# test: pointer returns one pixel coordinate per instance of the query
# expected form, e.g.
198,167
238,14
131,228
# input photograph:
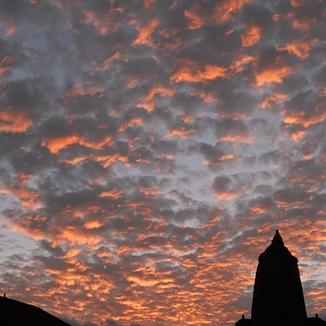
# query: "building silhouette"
16,313
278,297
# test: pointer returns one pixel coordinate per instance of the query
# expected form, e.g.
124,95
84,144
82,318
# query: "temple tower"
278,296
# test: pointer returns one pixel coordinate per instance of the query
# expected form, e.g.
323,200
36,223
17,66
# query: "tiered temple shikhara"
278,297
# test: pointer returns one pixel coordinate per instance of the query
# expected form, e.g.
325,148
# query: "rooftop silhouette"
14,313
278,297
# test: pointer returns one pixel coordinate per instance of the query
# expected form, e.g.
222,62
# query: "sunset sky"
149,150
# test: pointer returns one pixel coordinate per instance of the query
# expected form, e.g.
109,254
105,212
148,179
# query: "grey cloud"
222,183
111,322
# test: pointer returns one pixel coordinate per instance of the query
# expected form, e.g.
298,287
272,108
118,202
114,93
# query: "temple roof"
276,248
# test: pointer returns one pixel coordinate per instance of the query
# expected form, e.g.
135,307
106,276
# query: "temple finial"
277,238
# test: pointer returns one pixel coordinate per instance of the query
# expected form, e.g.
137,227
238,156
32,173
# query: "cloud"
15,122
252,36
223,188
187,75
144,33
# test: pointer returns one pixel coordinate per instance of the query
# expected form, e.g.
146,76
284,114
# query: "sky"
149,149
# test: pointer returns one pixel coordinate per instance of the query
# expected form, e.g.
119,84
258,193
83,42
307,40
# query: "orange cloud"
26,197
227,157
226,8
150,192
131,81
188,74
252,36
297,3
182,132
277,17
55,145
142,282
58,144
107,62
74,160
272,75
220,161
103,24
14,121
258,209
298,118
322,92
18,189
288,203
224,188
143,160
111,159
149,102
187,118
24,227
302,23
297,135
81,90
175,43
93,225
207,97
196,20
115,193
300,48
273,100
222,12
238,138
11,31
160,90
73,235
239,64
4,64
133,122
149,3
145,33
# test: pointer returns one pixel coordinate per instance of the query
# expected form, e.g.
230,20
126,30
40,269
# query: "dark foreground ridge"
16,313
278,297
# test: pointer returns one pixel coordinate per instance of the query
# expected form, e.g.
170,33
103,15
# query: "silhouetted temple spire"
278,296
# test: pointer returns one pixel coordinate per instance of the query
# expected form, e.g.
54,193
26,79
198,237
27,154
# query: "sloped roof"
14,313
